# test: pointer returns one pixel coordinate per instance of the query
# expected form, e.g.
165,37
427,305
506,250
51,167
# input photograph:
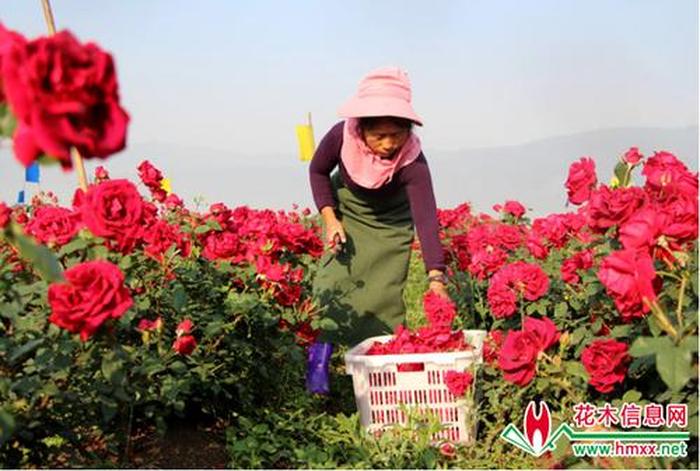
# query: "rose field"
136,331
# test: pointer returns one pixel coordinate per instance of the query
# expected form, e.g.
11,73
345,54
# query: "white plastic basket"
380,389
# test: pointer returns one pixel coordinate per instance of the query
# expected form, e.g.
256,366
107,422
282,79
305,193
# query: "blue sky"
237,75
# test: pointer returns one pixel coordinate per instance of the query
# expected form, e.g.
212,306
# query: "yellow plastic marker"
165,185
305,136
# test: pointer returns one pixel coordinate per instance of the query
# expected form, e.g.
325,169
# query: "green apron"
361,287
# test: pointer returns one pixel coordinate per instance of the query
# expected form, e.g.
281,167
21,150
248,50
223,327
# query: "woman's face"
385,137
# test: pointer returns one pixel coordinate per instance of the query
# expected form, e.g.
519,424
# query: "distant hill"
533,173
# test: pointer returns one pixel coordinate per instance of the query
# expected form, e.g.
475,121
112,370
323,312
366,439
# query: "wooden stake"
75,155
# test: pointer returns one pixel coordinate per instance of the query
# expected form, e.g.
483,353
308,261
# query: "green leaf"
202,229
674,366
575,368
7,426
690,343
620,331
179,298
649,346
327,324
24,349
110,367
7,121
561,309
72,246
40,257
632,396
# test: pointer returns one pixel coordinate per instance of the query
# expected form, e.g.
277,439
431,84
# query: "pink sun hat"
383,92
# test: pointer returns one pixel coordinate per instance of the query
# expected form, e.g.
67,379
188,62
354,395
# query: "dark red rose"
115,210
161,236
605,361
458,383
629,278
185,345
492,346
92,293
53,225
5,213
64,94
581,180
611,207
439,312
518,357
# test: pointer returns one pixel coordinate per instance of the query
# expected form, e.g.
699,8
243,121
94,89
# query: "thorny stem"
661,317
679,308
670,275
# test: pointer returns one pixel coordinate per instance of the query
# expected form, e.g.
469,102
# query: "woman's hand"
333,229
438,283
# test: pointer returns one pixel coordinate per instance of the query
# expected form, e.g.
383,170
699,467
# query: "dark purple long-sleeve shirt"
414,177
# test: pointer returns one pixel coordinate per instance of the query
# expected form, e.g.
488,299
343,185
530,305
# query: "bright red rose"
514,208
611,207
581,180
668,176
582,260
146,325
448,450
629,278
458,383
219,245
535,280
642,229
161,236
518,357
184,327
8,40
114,210
185,345
439,312
101,174
544,330
92,293
483,263
53,225
536,247
502,300
64,94
632,156
605,361
510,237
5,213
681,225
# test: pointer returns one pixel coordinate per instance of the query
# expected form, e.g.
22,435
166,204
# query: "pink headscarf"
365,167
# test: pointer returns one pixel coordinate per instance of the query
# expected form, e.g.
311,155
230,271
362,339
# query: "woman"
369,208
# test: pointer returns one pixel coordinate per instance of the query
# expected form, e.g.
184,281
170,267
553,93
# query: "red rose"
606,362
101,174
536,247
5,213
439,312
64,94
184,327
518,357
581,180
667,176
185,345
641,229
544,330
8,39
582,260
514,208
612,207
535,280
146,325
219,245
92,293
629,278
115,210
161,236
632,156
492,345
448,450
502,300
53,225
484,263
510,237
458,383
681,223
521,349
